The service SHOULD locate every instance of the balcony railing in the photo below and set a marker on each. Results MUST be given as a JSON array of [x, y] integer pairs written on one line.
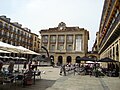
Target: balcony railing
[[110, 29], [111, 7]]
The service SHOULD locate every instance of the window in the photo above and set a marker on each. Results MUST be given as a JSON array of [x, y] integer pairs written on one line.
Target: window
[[52, 47], [69, 38], [52, 38], [11, 28], [1, 24], [78, 43], [45, 38], [69, 47], [61, 38], [61, 47]]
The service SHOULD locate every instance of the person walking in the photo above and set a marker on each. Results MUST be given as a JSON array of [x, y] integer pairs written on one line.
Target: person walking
[[1, 72], [62, 69]]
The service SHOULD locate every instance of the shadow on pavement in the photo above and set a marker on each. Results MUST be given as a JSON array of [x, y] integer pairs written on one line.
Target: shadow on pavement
[[41, 84]]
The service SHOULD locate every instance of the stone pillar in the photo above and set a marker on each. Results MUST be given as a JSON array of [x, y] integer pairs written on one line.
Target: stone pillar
[[119, 49], [112, 52], [119, 56], [65, 39], [74, 42], [83, 40], [41, 43], [48, 47], [115, 52], [56, 47]]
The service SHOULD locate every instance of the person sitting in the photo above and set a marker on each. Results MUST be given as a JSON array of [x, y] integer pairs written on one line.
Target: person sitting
[[1, 73], [11, 67], [24, 65], [28, 77]]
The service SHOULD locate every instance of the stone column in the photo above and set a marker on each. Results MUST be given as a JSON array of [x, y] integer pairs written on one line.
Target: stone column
[[119, 49], [83, 40], [48, 47], [74, 42], [41, 41], [65, 39], [119, 55], [56, 47], [115, 52]]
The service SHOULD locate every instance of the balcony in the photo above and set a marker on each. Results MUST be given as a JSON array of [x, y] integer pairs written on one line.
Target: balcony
[[110, 30], [113, 37], [111, 7], [6, 28]]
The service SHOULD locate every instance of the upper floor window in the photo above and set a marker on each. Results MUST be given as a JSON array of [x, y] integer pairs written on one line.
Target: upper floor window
[[78, 41], [11, 28], [69, 38], [52, 38], [6, 26], [45, 38], [1, 24], [61, 38]]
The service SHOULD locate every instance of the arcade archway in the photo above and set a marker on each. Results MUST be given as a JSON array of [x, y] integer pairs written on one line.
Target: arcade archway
[[60, 60], [69, 59]]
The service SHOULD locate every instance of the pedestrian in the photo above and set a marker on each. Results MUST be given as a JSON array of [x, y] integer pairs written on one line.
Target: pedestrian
[[30, 64], [24, 65], [11, 66], [36, 64], [63, 69], [1, 73], [74, 68], [1, 64]]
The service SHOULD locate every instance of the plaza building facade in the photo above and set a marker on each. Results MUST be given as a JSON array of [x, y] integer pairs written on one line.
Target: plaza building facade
[[107, 41], [14, 34], [64, 44]]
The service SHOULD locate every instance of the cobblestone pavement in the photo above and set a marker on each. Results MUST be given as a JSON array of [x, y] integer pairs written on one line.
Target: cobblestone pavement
[[51, 80]]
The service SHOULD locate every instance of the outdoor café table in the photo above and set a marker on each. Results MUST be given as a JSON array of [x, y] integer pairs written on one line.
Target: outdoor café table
[[18, 76], [28, 75]]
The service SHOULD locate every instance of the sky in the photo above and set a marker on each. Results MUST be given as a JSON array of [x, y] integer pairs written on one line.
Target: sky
[[43, 14]]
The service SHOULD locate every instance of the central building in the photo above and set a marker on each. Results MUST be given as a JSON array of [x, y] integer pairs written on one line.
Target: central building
[[64, 44]]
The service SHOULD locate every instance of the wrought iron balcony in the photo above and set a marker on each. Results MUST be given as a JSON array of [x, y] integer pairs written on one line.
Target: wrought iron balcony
[[110, 30]]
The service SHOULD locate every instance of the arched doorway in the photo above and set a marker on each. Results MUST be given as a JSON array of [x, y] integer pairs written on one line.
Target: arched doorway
[[60, 60], [52, 59], [77, 61], [69, 59]]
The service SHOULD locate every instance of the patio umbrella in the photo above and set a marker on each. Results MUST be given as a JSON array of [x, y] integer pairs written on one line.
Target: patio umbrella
[[6, 57], [1, 56], [23, 50], [106, 59], [86, 59], [22, 58], [3, 51], [7, 47]]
